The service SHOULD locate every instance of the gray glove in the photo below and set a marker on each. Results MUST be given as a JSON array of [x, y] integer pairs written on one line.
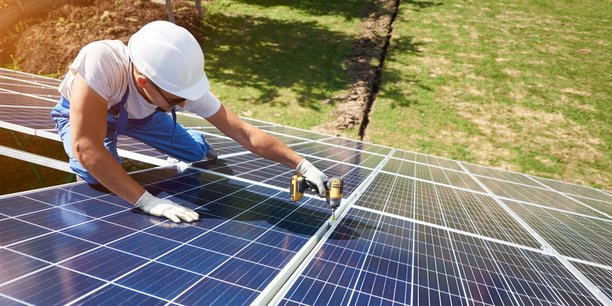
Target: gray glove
[[165, 208], [313, 175], [211, 153]]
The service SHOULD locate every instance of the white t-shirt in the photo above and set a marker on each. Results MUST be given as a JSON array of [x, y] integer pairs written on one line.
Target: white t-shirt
[[104, 65]]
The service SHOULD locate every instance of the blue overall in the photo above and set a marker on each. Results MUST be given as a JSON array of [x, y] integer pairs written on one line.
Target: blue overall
[[158, 130]]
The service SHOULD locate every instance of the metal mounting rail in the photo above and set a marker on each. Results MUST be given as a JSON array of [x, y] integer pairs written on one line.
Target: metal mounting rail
[[35, 159]]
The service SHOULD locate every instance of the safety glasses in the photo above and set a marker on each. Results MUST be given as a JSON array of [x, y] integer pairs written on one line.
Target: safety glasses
[[172, 102]]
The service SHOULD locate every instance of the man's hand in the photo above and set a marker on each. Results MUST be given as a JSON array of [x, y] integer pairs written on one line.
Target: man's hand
[[313, 175], [165, 208]]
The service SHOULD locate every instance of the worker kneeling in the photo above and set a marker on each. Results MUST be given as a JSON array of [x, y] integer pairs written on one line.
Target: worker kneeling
[[112, 89]]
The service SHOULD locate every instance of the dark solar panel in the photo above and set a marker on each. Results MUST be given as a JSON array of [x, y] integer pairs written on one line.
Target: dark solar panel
[[245, 235], [340, 154], [572, 235], [538, 196], [376, 259], [601, 277], [576, 190]]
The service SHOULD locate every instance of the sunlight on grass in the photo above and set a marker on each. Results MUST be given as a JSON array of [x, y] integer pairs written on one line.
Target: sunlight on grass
[[521, 85]]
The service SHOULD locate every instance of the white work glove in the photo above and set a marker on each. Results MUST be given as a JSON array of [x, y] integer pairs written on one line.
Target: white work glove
[[313, 175], [165, 208]]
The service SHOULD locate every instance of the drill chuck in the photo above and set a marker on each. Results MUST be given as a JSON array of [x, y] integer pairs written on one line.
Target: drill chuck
[[334, 192], [333, 195]]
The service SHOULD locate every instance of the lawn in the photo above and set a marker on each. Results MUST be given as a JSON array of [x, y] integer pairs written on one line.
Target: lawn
[[277, 60], [521, 85]]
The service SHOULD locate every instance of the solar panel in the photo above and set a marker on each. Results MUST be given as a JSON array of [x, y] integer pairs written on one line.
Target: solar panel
[[413, 229], [376, 259], [248, 230]]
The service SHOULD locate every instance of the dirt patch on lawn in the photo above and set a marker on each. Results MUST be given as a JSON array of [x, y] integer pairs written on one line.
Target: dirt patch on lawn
[[363, 67], [47, 44]]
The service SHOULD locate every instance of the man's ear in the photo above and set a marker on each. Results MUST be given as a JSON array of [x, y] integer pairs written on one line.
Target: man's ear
[[141, 80]]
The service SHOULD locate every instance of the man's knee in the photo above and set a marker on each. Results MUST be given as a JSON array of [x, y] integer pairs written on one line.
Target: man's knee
[[192, 156], [197, 152]]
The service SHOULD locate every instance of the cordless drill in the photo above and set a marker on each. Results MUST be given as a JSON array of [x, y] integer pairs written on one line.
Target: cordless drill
[[333, 194]]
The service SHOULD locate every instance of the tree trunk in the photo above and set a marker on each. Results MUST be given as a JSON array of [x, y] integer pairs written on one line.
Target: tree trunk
[[198, 5], [169, 10]]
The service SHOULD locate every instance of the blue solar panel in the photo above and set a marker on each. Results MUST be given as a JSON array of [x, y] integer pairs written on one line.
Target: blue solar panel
[[600, 276], [572, 235], [246, 234], [375, 259], [341, 154], [466, 211]]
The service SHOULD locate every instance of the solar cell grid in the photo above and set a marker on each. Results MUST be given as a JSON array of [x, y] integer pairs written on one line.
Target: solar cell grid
[[47, 286], [18, 99], [380, 259], [369, 258], [135, 146], [500, 174], [601, 277], [463, 210], [406, 155], [32, 89], [599, 205], [33, 118], [14, 265], [7, 73], [576, 190], [437, 161], [456, 216], [427, 209], [375, 197], [350, 156], [453, 178], [493, 221], [571, 235], [295, 132], [499, 274], [179, 265], [538, 196], [358, 145], [398, 166]]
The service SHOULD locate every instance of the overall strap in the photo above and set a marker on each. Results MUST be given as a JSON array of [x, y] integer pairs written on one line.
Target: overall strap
[[173, 111], [123, 114]]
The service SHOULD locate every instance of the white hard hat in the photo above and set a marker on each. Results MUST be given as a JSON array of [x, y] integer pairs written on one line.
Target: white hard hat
[[171, 58]]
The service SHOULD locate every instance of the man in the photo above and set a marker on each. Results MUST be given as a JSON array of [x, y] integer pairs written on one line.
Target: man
[[113, 89]]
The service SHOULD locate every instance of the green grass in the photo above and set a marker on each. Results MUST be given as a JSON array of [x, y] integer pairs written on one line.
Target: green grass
[[523, 85], [277, 60]]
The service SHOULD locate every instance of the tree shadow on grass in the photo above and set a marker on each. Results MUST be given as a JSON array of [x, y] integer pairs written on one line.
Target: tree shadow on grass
[[269, 55], [399, 95]]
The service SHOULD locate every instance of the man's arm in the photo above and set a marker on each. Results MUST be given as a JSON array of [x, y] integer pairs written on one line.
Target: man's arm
[[253, 139], [266, 146], [87, 131]]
